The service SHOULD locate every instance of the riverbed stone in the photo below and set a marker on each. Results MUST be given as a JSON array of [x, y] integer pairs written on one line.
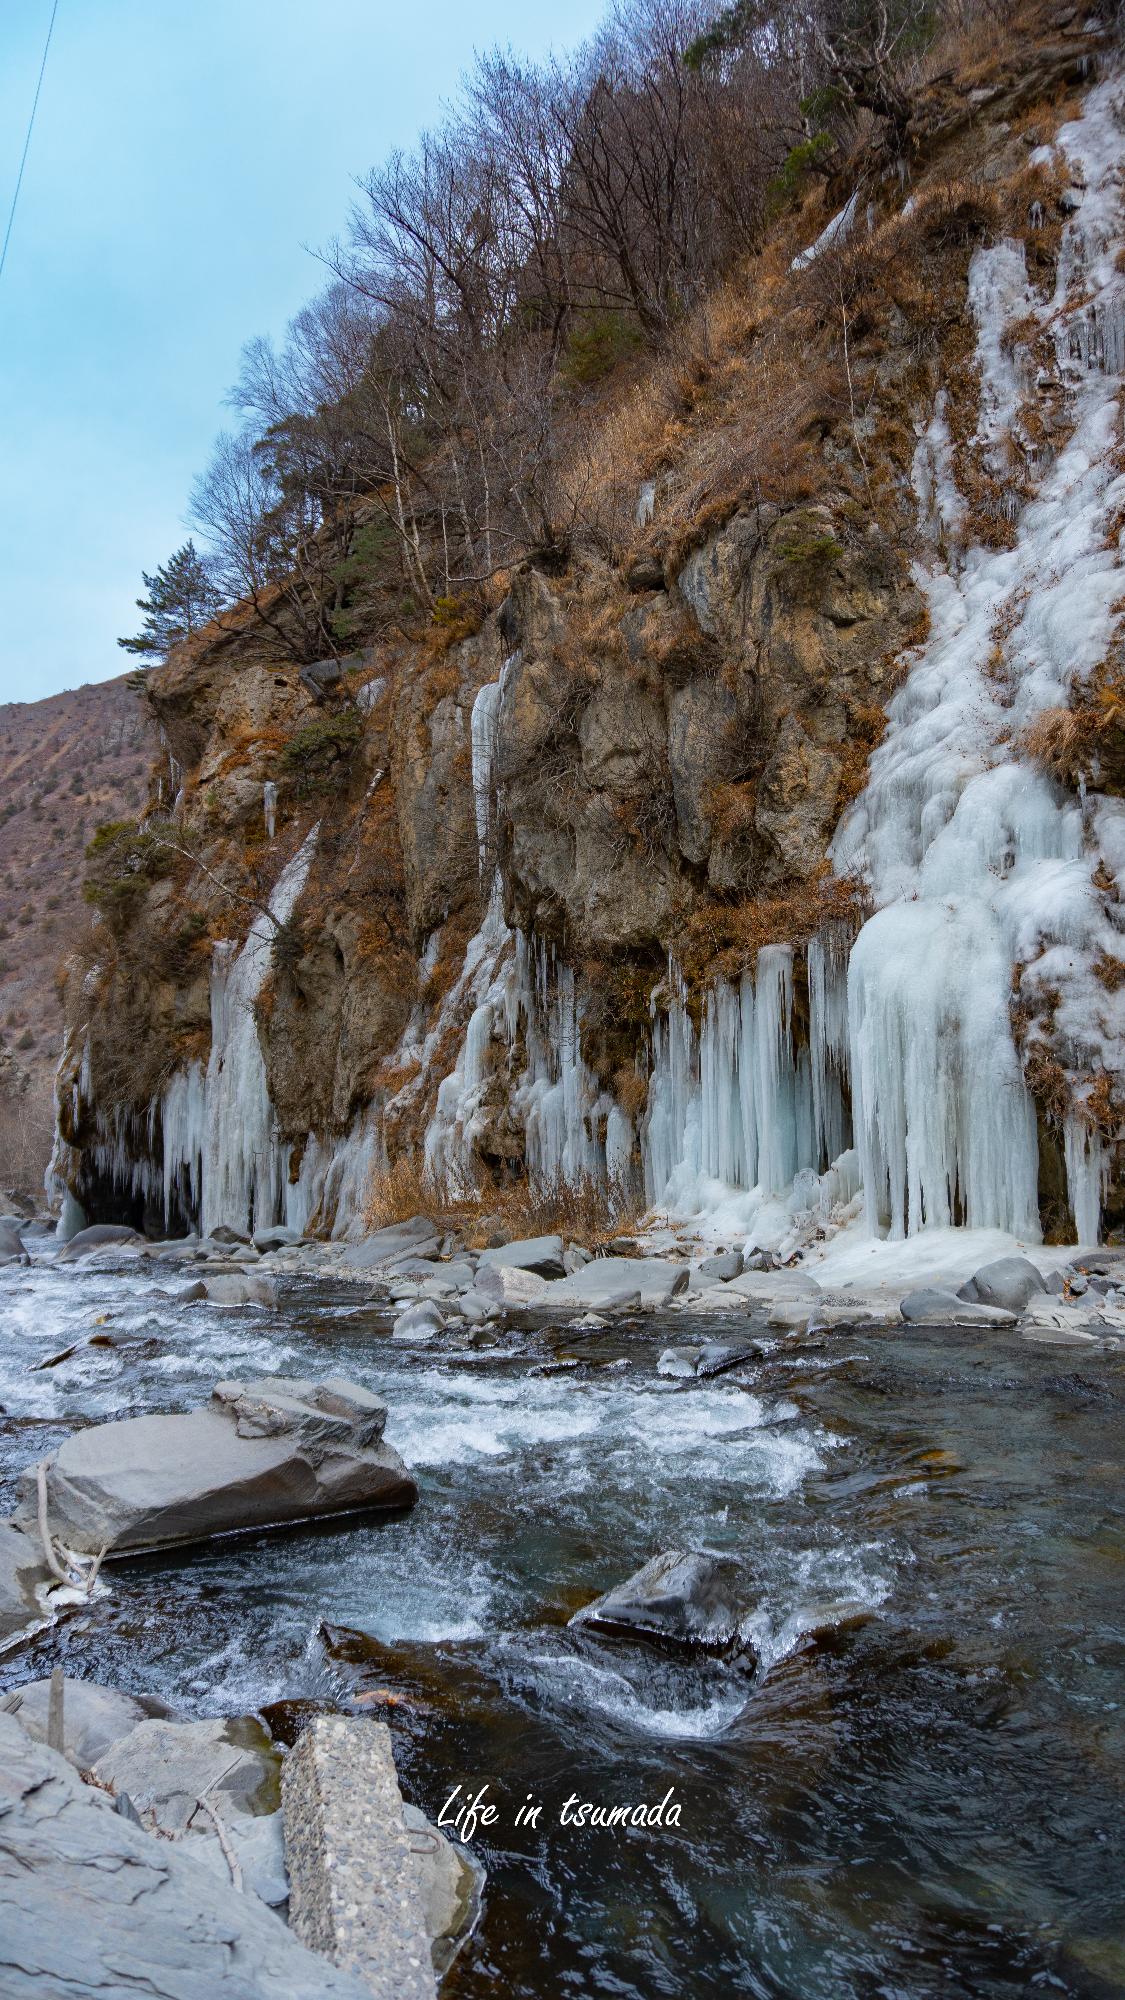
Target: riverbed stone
[[765, 1286], [619, 1281], [248, 1290], [678, 1598], [1008, 1282], [92, 1904], [719, 1269], [355, 1887], [418, 1237], [931, 1306], [94, 1717], [259, 1455], [418, 1322], [11, 1245], [679, 1361], [541, 1254], [509, 1285], [277, 1238], [97, 1236]]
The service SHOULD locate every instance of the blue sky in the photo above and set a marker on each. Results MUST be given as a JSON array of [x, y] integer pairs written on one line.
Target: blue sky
[[184, 152]]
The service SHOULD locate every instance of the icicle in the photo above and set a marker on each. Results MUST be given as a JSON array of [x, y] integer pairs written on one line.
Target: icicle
[[1087, 1176], [269, 807]]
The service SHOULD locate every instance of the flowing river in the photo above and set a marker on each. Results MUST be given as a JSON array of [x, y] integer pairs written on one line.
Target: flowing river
[[917, 1791]]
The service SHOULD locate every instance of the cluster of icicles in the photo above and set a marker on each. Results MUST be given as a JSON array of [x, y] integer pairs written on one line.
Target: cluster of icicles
[[899, 1091]]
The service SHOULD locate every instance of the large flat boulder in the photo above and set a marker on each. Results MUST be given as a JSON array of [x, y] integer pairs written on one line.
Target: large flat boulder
[[677, 1599], [617, 1281], [355, 1887], [934, 1307], [766, 1286], [508, 1285], [91, 1904], [259, 1455], [415, 1238], [541, 1254]]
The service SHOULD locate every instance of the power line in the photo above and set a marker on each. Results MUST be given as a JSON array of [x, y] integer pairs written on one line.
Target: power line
[[27, 141]]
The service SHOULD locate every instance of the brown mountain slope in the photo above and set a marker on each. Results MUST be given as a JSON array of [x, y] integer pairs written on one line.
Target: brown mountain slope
[[66, 764]]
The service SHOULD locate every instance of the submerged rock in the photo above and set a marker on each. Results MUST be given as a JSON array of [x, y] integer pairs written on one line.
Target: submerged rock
[[678, 1599], [260, 1454], [92, 1904]]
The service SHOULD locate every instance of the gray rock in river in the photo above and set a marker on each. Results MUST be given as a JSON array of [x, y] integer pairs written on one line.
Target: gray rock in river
[[419, 1322], [94, 1717], [277, 1238], [541, 1254], [677, 1599], [97, 1236], [932, 1307], [91, 1904], [679, 1361], [244, 1290], [1008, 1282], [259, 1455], [22, 1572], [11, 1246], [356, 1890]]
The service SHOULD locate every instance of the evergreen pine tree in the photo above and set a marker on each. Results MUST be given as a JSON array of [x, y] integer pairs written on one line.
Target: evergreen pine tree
[[181, 599]]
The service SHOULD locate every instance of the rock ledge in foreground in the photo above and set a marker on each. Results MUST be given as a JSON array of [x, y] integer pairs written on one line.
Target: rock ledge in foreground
[[261, 1454], [91, 1904]]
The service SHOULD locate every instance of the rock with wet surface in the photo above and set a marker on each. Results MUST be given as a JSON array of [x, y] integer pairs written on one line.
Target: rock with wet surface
[[22, 1573], [418, 1322], [1008, 1282], [94, 1717], [679, 1361], [91, 1904], [260, 1454], [933, 1307], [677, 1599], [356, 1887], [11, 1245]]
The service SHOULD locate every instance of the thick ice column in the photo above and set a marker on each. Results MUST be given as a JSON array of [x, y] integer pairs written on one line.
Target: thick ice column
[[777, 1134], [827, 960], [245, 1166], [1086, 1175], [945, 1129]]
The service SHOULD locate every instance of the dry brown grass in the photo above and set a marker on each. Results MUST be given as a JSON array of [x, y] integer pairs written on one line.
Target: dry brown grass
[[723, 939], [589, 1213], [1085, 742]]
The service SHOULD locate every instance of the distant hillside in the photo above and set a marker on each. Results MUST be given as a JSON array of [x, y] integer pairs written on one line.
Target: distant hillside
[[66, 764]]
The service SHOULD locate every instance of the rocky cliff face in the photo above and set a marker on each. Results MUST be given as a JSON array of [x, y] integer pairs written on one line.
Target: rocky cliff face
[[575, 894]]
